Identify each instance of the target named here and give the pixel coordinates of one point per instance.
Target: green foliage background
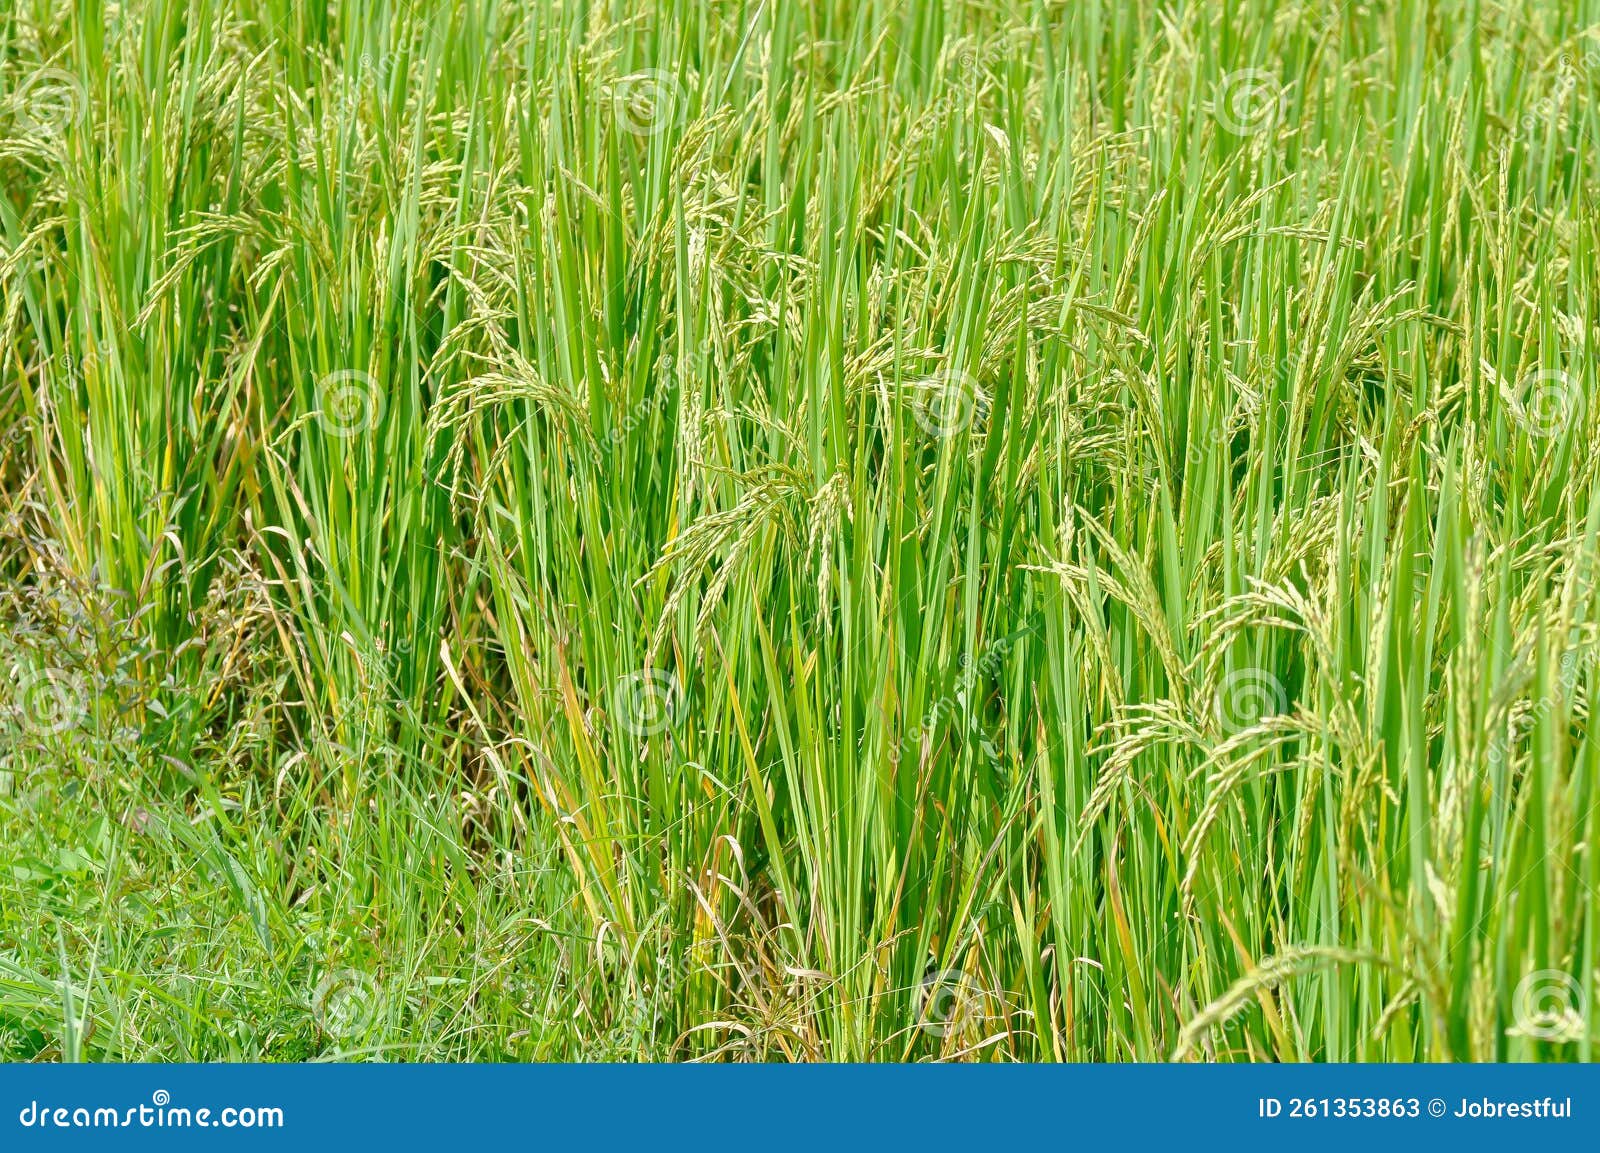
(864, 531)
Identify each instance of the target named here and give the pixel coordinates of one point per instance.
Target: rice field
(792, 530)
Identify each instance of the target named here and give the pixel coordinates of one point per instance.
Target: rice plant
(738, 530)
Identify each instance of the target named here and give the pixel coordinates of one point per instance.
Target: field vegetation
(767, 530)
